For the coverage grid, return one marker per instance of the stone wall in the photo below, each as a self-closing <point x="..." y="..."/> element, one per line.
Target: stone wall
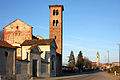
<point x="22" y="67"/>
<point x="22" y="70"/>
<point x="53" y="60"/>
<point x="44" y="70"/>
<point x="7" y="61"/>
<point x="7" y="77"/>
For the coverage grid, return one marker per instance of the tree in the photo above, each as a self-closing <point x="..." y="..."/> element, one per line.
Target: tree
<point x="1" y="34"/>
<point x="80" y="61"/>
<point x="87" y="63"/>
<point x="71" y="61"/>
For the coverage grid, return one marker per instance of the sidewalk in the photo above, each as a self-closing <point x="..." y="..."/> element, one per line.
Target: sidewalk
<point x="62" y="77"/>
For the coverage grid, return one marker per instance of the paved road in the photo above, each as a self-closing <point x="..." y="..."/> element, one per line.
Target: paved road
<point x="92" y="76"/>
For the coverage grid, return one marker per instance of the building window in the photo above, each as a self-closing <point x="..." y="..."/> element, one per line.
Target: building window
<point x="55" y="37"/>
<point x="53" y="12"/>
<point x="53" y="22"/>
<point x="56" y="12"/>
<point x="19" y="34"/>
<point x="56" y="22"/>
<point x="6" y="54"/>
<point x="27" y="56"/>
<point x="17" y="27"/>
<point x="52" y="65"/>
<point x="8" y="37"/>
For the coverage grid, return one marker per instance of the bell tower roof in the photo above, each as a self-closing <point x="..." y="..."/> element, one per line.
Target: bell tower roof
<point x="57" y="6"/>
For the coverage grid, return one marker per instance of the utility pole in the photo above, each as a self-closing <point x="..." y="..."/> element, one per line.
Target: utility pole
<point x="108" y="57"/>
<point x="119" y="54"/>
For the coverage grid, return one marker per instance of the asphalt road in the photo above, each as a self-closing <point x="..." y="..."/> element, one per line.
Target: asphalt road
<point x="90" y="76"/>
<point x="93" y="76"/>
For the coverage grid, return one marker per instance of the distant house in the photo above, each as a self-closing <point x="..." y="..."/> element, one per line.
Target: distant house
<point x="115" y="64"/>
<point x="7" y="59"/>
<point x="94" y="65"/>
<point x="106" y="65"/>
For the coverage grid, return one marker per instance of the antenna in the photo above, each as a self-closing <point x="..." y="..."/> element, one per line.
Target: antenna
<point x="108" y="57"/>
<point x="119" y="54"/>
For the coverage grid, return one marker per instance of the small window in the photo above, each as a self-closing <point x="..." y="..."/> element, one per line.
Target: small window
<point x="6" y="54"/>
<point x="56" y="12"/>
<point x="17" y="27"/>
<point x="53" y="22"/>
<point x="52" y="65"/>
<point x="56" y="22"/>
<point x="16" y="34"/>
<point x="53" y="12"/>
<point x="27" y="56"/>
<point x="19" y="34"/>
<point x="55" y="37"/>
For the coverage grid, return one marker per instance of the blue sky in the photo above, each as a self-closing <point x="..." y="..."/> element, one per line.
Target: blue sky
<point x="88" y="25"/>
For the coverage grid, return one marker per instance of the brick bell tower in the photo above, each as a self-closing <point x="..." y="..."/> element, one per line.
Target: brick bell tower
<point x="56" y="24"/>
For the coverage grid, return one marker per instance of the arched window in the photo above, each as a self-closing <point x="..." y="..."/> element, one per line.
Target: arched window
<point x="17" y="27"/>
<point x="53" y="12"/>
<point x="56" y="12"/>
<point x="56" y="22"/>
<point x="53" y="22"/>
<point x="55" y="37"/>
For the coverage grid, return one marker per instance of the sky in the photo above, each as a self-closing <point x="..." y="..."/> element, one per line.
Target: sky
<point x="88" y="25"/>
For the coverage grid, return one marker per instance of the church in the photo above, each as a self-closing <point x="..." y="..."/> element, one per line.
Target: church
<point x="34" y="55"/>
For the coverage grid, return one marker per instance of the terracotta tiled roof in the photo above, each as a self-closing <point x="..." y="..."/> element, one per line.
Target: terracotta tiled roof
<point x="38" y="42"/>
<point x="106" y="64"/>
<point x="6" y="44"/>
<point x="33" y="46"/>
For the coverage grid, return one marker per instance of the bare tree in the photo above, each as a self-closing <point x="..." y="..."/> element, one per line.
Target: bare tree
<point x="87" y="63"/>
<point x="1" y="34"/>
